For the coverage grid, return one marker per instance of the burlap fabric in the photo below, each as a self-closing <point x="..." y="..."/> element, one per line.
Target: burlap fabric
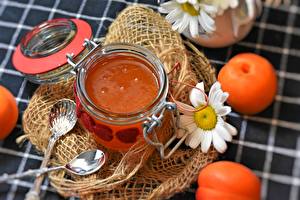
<point x="138" y="173"/>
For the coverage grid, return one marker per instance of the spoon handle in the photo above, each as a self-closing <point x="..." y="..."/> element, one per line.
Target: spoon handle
<point x="34" y="192"/>
<point x="31" y="172"/>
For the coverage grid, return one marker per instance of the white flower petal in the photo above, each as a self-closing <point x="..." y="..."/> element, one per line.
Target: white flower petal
<point x="231" y="129"/>
<point x="200" y="86"/>
<point x="224" y="97"/>
<point x="219" y="143"/>
<point x="181" y="1"/>
<point x="197" y="97"/>
<point x="215" y="97"/>
<point x="177" y="24"/>
<point x="223" y="132"/>
<point x="234" y="3"/>
<point x="168" y="7"/>
<point x="223" y="110"/>
<point x="184" y="22"/>
<point x="193" y="1"/>
<point x="216" y="106"/>
<point x="194" y="30"/>
<point x="205" y="20"/>
<point x="201" y="21"/>
<point x="206" y="141"/>
<point x="174" y="15"/>
<point x="224" y="5"/>
<point x="191" y="127"/>
<point x="214" y="88"/>
<point x="219" y="97"/>
<point x="184" y="108"/>
<point x="189" y="138"/>
<point x="163" y="10"/>
<point x="220" y="121"/>
<point x="185" y="120"/>
<point x="209" y="9"/>
<point x="197" y="6"/>
<point x="196" y="139"/>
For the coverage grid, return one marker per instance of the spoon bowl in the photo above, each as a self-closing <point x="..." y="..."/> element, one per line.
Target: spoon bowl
<point x="85" y="163"/>
<point x="62" y="117"/>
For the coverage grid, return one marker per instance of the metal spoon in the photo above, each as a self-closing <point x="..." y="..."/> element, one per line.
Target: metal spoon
<point x="62" y="119"/>
<point x="85" y="163"/>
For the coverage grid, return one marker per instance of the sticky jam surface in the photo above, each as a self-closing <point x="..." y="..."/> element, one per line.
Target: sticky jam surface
<point x="121" y="83"/>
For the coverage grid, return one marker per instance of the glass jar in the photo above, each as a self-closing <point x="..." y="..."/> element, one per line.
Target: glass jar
<point x="41" y="54"/>
<point x="116" y="130"/>
<point x="60" y="48"/>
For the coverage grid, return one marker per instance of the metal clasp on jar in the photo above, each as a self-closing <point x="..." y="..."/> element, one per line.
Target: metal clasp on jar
<point x="91" y="45"/>
<point x="155" y="121"/>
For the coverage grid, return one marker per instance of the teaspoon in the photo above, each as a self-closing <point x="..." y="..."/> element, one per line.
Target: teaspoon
<point x="62" y="119"/>
<point x="85" y="163"/>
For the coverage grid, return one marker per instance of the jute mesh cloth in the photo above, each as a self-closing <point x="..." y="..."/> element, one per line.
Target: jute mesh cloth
<point x="139" y="173"/>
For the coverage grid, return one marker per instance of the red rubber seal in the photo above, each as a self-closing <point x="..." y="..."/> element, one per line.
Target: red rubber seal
<point x="34" y="66"/>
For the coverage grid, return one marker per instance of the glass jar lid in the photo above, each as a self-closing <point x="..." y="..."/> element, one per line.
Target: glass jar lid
<point x="45" y="47"/>
<point x="48" y="38"/>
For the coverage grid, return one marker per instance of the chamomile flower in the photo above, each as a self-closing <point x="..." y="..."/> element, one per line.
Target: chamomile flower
<point x="206" y="126"/>
<point x="191" y="15"/>
<point x="188" y="1"/>
<point x="223" y="5"/>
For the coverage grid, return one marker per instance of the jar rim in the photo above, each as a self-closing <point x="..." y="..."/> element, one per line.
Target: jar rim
<point x="122" y="118"/>
<point x="38" y="65"/>
<point x="48" y="38"/>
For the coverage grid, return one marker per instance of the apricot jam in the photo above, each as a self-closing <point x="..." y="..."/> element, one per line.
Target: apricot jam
<point x="118" y="87"/>
<point x="121" y="84"/>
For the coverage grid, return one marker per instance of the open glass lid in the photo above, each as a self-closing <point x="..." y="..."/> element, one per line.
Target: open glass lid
<point x="41" y="55"/>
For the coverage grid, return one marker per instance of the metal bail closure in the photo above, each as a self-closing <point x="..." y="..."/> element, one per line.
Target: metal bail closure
<point x="91" y="45"/>
<point x="155" y="121"/>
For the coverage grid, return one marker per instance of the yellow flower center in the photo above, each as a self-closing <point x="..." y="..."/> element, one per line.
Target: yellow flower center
<point x="206" y="119"/>
<point x="189" y="8"/>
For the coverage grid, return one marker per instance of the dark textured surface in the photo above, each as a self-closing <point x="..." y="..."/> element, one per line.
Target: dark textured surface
<point x="267" y="143"/>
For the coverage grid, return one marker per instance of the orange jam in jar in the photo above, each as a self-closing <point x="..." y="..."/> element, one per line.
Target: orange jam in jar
<point x="121" y="84"/>
<point x="117" y="88"/>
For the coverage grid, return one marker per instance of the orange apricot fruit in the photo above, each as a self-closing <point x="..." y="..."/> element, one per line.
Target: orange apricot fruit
<point x="8" y="112"/>
<point x="251" y="82"/>
<point x="225" y="180"/>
